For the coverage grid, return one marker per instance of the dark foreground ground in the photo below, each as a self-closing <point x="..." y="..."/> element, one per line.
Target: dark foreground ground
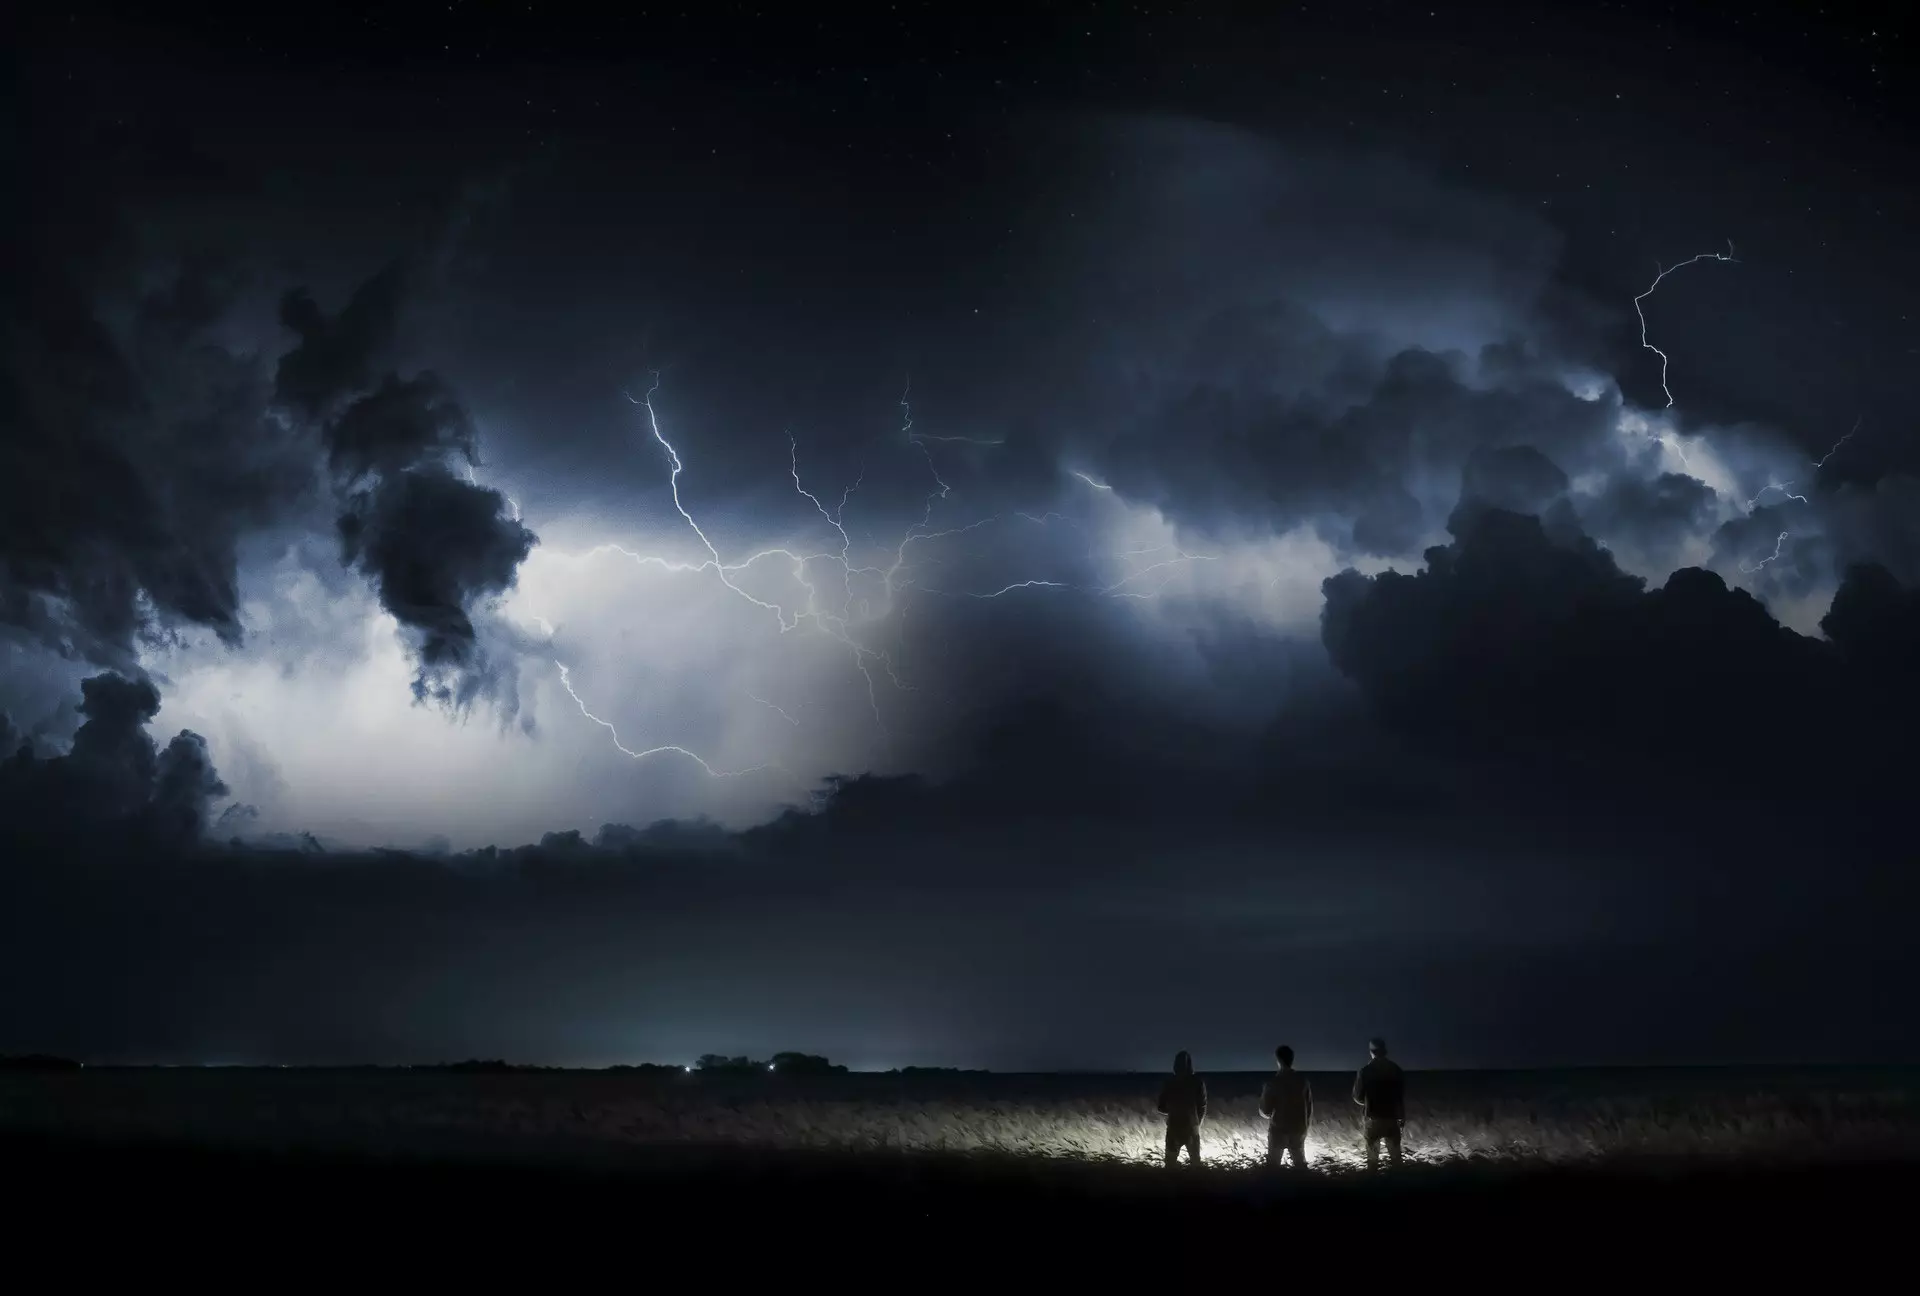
<point x="719" y="1207"/>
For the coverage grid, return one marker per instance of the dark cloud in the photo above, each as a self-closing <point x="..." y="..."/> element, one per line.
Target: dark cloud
<point x="1058" y="904"/>
<point x="1516" y="478"/>
<point x="137" y="451"/>
<point x="1874" y="623"/>
<point x="338" y="357"/>
<point x="1388" y="454"/>
<point x="136" y="461"/>
<point x="1660" y="513"/>
<point x="111" y="749"/>
<point x="113" y="785"/>
<point x="1537" y="646"/>
<point x="397" y="425"/>
<point x="1248" y="336"/>
<point x="185" y="787"/>
<point x="435" y="547"/>
<point x="1879" y="523"/>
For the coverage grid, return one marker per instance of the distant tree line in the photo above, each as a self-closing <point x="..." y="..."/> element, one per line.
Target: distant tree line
<point x="787" y="1063"/>
<point x="779" y="1063"/>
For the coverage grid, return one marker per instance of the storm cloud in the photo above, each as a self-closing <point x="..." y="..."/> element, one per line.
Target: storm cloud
<point x="137" y="457"/>
<point x="113" y="782"/>
<point x="1536" y="646"/>
<point x="1074" y="578"/>
<point x="435" y="547"/>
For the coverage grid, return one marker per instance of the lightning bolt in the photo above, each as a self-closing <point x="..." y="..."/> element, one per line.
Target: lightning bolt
<point x="1834" y="449"/>
<point x="1657" y="279"/>
<point x="865" y="658"/>
<point x="673" y="485"/>
<point x="867" y="592"/>
<point x="566" y="680"/>
<point x="512" y="503"/>
<point x="1004" y="589"/>
<point x="1784" y="488"/>
<point x="1115" y="590"/>
<point x="1777" y="542"/>
<point x="1668" y="439"/>
<point x="777" y="710"/>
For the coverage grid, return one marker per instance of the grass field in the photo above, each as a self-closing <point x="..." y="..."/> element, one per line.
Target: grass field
<point x="593" y="1117"/>
<point x="869" y="1178"/>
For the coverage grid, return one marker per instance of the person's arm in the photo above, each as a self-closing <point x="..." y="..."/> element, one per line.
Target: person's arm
<point x="1360" y="1088"/>
<point x="1163" y="1097"/>
<point x="1203" y="1098"/>
<point x="1306" y="1092"/>
<point x="1266" y="1100"/>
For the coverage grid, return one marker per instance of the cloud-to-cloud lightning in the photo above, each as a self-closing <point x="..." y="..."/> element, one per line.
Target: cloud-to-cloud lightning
<point x="839" y="593"/>
<point x="840" y="623"/>
<point x="1786" y="488"/>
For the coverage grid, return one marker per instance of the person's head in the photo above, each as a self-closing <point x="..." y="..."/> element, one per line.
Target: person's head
<point x="1284" y="1056"/>
<point x="1183" y="1063"/>
<point x="1376" y="1047"/>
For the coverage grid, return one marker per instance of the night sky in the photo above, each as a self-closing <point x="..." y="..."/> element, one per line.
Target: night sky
<point x="943" y="538"/>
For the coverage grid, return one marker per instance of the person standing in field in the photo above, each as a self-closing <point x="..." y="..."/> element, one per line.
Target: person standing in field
<point x="1286" y="1100"/>
<point x="1183" y="1101"/>
<point x="1380" y="1090"/>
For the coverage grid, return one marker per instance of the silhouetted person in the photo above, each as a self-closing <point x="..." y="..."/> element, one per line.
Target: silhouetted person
<point x="1183" y="1100"/>
<point x="1286" y="1101"/>
<point x="1380" y="1088"/>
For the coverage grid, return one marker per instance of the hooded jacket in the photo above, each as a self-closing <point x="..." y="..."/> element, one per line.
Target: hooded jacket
<point x="1183" y="1099"/>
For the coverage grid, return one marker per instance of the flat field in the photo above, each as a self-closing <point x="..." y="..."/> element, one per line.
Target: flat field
<point x="1563" y="1119"/>
<point x="416" y="1174"/>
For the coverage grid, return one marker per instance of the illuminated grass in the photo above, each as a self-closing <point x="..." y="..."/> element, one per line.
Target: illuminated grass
<point x="579" y="1110"/>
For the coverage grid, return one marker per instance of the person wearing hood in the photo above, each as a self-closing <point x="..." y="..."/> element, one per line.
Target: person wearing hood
<point x="1183" y="1101"/>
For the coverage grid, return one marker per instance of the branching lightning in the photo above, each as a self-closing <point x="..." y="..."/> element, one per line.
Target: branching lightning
<point x="1786" y="488"/>
<point x="846" y="589"/>
<point x="844" y="595"/>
